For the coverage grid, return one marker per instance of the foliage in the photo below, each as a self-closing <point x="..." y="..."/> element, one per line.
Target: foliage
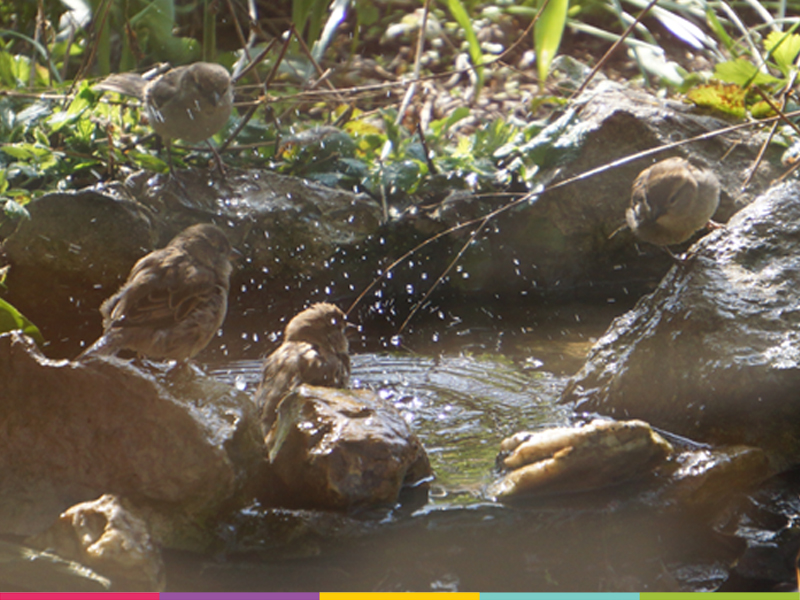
<point x="12" y="320"/>
<point x="547" y="35"/>
<point x="734" y="93"/>
<point x="68" y="135"/>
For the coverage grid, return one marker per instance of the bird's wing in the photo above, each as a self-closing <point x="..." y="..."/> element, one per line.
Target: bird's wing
<point x="163" y="288"/>
<point x="130" y="84"/>
<point x="165" y="88"/>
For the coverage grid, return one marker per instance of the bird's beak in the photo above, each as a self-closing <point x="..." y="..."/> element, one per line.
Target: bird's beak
<point x="350" y="329"/>
<point x="234" y="254"/>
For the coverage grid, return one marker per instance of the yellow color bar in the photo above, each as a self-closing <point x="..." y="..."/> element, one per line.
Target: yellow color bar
<point x="400" y="596"/>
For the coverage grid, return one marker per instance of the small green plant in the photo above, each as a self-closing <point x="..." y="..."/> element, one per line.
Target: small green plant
<point x="734" y="91"/>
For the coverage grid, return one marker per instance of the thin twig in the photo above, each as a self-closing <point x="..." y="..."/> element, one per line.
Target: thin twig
<point x="441" y="277"/>
<point x="412" y="88"/>
<point x="239" y="32"/>
<point x="762" y="150"/>
<point x="534" y="196"/>
<point x="613" y="48"/>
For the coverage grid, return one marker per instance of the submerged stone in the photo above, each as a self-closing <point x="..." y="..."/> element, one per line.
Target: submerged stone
<point x="562" y="460"/>
<point x="108" y="536"/>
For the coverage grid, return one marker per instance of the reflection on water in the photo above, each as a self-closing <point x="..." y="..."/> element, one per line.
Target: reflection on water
<point x="463" y="389"/>
<point x="459" y="406"/>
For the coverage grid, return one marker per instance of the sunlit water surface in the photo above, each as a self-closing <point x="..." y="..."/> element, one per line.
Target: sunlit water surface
<point x="462" y="390"/>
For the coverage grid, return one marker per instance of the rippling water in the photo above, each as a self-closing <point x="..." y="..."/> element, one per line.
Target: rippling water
<point x="459" y="406"/>
<point x="462" y="390"/>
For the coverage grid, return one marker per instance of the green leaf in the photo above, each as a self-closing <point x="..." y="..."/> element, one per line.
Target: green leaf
<point x="404" y="175"/>
<point x="743" y="73"/>
<point x="12" y="320"/>
<point x="149" y="162"/>
<point x="26" y="152"/>
<point x="718" y="29"/>
<point x="725" y="98"/>
<point x="441" y="126"/>
<point x="784" y="48"/>
<point x="547" y="35"/>
<point x="462" y="18"/>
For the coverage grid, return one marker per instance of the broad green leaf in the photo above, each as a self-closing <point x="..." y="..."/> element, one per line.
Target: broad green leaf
<point x="12" y="320"/>
<point x="403" y="176"/>
<point x="26" y="152"/>
<point x="724" y="98"/>
<point x="784" y="48"/>
<point x="547" y="35"/>
<point x="743" y="73"/>
<point x="83" y="100"/>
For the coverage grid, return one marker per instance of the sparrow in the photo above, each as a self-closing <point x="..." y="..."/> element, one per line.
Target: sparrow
<point x="314" y="351"/>
<point x="191" y="103"/>
<point x="670" y="201"/>
<point x="173" y="301"/>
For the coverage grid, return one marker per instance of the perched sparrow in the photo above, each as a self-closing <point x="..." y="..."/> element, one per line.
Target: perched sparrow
<point x="314" y="351"/>
<point x="174" y="300"/>
<point x="191" y="103"/>
<point x="670" y="201"/>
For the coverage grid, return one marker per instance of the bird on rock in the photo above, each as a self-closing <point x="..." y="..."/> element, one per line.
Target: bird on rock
<point x="174" y="300"/>
<point x="670" y="201"/>
<point x="314" y="351"/>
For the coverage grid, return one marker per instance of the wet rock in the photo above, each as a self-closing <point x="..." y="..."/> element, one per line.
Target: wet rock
<point x="340" y="449"/>
<point x="576" y="459"/>
<point x="25" y="569"/>
<point x="714" y="353"/>
<point x="77" y="248"/>
<point x="108" y="536"/>
<point x="561" y="242"/>
<point x="709" y="477"/>
<point x="177" y="444"/>
<point x="285" y="226"/>
<point x="83" y="242"/>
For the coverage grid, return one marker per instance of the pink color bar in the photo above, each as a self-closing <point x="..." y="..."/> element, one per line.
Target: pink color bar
<point x="79" y="596"/>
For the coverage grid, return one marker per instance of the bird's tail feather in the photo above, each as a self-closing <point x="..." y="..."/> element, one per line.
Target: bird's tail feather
<point x="106" y="345"/>
<point x="129" y="84"/>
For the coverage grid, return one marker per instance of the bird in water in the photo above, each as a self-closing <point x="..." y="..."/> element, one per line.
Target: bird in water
<point x="670" y="201"/>
<point x="174" y="300"/>
<point x="314" y="351"/>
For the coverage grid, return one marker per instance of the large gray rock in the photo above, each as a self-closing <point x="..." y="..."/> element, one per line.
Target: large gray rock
<point x="178" y="444"/>
<point x="561" y="242"/>
<point x="340" y="449"/>
<point x="77" y="248"/>
<point x="285" y="226"/>
<point x="714" y="352"/>
<point x="79" y="244"/>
